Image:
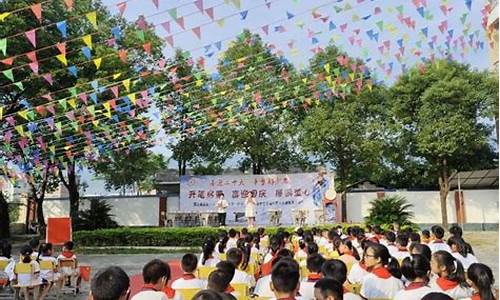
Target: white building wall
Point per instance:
(481, 206)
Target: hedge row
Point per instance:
(130, 236)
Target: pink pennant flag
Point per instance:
(8, 61)
(111, 42)
(377, 10)
(197, 31)
(387, 44)
(161, 63)
(265, 28)
(11, 120)
(343, 27)
(47, 96)
(34, 67)
(69, 4)
(166, 26)
(114, 90)
(31, 56)
(70, 115)
(121, 7)
(180, 21)
(48, 78)
(155, 2)
(31, 35)
(83, 97)
(170, 40)
(61, 47)
(37, 11)
(199, 5)
(210, 12)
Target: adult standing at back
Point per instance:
(250, 204)
(222, 209)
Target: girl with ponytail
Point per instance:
(480, 277)
(450, 275)
(383, 281)
(348, 253)
(415, 269)
(49, 276)
(222, 243)
(460, 251)
(207, 257)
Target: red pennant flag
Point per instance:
(180, 21)
(265, 28)
(122, 53)
(31, 35)
(170, 40)
(37, 11)
(166, 26)
(121, 7)
(40, 109)
(32, 56)
(210, 12)
(197, 31)
(199, 4)
(147, 48)
(61, 47)
(69, 4)
(8, 61)
(155, 2)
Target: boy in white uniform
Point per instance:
(235, 257)
(188, 280)
(437, 243)
(156, 275)
(336, 270)
(110, 283)
(233, 239)
(314, 264)
(285, 279)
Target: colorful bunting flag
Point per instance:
(121, 7)
(3, 16)
(62, 58)
(37, 11)
(92, 17)
(210, 12)
(62, 27)
(3, 46)
(88, 40)
(197, 31)
(31, 35)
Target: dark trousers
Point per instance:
(222, 219)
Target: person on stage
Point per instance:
(250, 204)
(222, 209)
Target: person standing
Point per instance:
(250, 203)
(222, 209)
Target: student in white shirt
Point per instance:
(460, 252)
(402, 245)
(337, 270)
(208, 257)
(25, 281)
(451, 277)
(384, 278)
(49, 276)
(285, 279)
(34, 244)
(480, 278)
(233, 239)
(348, 253)
(263, 285)
(7, 274)
(235, 257)
(156, 275)
(220, 280)
(437, 243)
(314, 264)
(415, 269)
(390, 240)
(189, 262)
(110, 283)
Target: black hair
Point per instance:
(5, 248)
(335, 269)
(286, 235)
(426, 233)
(189, 262)
(285, 275)
(456, 230)
(246, 249)
(275, 244)
(69, 245)
(330, 288)
(402, 240)
(223, 243)
(300, 232)
(453, 266)
(44, 250)
(283, 253)
(392, 264)
(219, 280)
(376, 229)
(244, 231)
(459, 243)
(312, 248)
(26, 252)
(232, 233)
(421, 249)
(369, 227)
(437, 231)
(261, 231)
(347, 242)
(436, 296)
(414, 238)
(308, 237)
(207, 295)
(234, 256)
(208, 248)
(109, 284)
(483, 279)
(34, 243)
(226, 267)
(390, 236)
(315, 262)
(155, 270)
(416, 266)
(332, 234)
(256, 241)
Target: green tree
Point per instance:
(436, 111)
(97, 216)
(39, 185)
(4, 217)
(389, 210)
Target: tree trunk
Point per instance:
(40, 217)
(184, 165)
(4, 218)
(71, 185)
(444, 188)
(179, 166)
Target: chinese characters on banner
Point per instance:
(282, 192)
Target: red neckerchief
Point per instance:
(287, 298)
(475, 297)
(67, 254)
(188, 276)
(348, 252)
(169, 292)
(344, 290)
(229, 289)
(446, 284)
(381, 272)
(414, 285)
(313, 277)
(438, 242)
(403, 249)
(363, 266)
(149, 287)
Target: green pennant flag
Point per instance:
(31, 115)
(347, 7)
(63, 104)
(19, 85)
(73, 91)
(75, 126)
(337, 9)
(8, 73)
(3, 46)
(173, 13)
(380, 25)
(91, 110)
(400, 8)
(140, 35)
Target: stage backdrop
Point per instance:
(283, 192)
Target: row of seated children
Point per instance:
(37, 269)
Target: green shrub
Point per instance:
(156, 237)
(389, 210)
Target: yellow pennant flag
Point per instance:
(126, 84)
(115, 76)
(1, 112)
(97, 62)
(92, 17)
(88, 40)
(107, 106)
(132, 98)
(72, 102)
(62, 58)
(52, 149)
(220, 22)
(327, 68)
(24, 114)
(20, 130)
(107, 114)
(96, 123)
(4, 15)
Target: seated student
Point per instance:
(243, 233)
(328, 289)
(456, 231)
(221, 245)
(314, 264)
(228, 268)
(402, 244)
(460, 252)
(7, 274)
(218, 281)
(34, 244)
(274, 246)
(188, 280)
(233, 239)
(208, 295)
(301, 253)
(337, 270)
(69, 272)
(384, 279)
(359, 270)
(390, 240)
(415, 269)
(285, 279)
(111, 283)
(156, 275)
(421, 249)
(235, 257)
(425, 237)
(208, 257)
(437, 296)
(348, 253)
(263, 287)
(450, 275)
(49, 276)
(25, 281)
(414, 238)
(480, 278)
(437, 243)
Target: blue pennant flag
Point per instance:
(244, 14)
(218, 45)
(468, 3)
(73, 71)
(61, 26)
(425, 31)
(93, 96)
(421, 11)
(289, 15)
(94, 84)
(117, 32)
(331, 26)
(400, 43)
(87, 52)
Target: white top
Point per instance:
(414, 294)
(48, 274)
(393, 250)
(250, 204)
(9, 268)
(400, 255)
(455, 293)
(211, 262)
(30, 279)
(150, 295)
(438, 246)
(356, 274)
(466, 261)
(352, 296)
(263, 287)
(243, 277)
(232, 243)
(373, 286)
(182, 283)
(268, 257)
(307, 290)
(222, 205)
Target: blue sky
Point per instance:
(390, 36)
